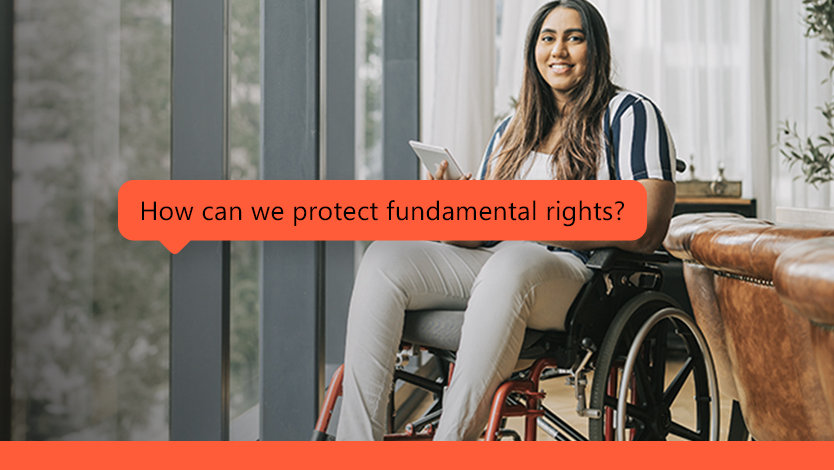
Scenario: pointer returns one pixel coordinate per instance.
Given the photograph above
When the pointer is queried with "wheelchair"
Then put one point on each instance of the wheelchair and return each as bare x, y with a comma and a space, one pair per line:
621, 328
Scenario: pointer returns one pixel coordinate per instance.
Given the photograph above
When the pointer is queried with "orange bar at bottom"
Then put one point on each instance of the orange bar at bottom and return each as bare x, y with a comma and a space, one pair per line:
468, 455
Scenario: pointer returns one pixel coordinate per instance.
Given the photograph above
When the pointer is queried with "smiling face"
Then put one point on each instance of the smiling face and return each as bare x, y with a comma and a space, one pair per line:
562, 52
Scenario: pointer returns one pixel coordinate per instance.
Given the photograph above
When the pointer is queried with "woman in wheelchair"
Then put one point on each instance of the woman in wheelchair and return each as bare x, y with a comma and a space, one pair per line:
571, 122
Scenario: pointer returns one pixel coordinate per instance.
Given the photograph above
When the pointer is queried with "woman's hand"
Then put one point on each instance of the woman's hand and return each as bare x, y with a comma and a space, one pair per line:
441, 173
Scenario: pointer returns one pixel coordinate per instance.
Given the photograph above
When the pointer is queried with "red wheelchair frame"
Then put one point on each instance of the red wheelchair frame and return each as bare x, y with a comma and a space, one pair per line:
636, 325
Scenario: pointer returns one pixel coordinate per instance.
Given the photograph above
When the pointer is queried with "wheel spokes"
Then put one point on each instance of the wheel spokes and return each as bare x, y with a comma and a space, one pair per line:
642, 434
634, 411
641, 414
686, 433
641, 341
644, 386
677, 383
658, 356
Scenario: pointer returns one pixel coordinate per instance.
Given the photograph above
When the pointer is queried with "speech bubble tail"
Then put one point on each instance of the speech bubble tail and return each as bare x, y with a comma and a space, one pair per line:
174, 246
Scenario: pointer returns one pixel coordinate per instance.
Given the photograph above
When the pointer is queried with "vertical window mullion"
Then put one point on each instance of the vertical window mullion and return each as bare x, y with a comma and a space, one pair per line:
401, 87
340, 116
199, 398
292, 344
6, 100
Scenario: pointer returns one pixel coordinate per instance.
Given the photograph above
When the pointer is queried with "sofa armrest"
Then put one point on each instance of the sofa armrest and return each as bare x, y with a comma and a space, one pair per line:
733, 244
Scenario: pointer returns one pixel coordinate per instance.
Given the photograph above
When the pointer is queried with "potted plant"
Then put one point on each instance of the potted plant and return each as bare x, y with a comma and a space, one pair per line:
814, 155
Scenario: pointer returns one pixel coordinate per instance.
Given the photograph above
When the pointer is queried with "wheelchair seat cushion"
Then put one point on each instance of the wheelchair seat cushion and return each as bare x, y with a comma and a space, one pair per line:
440, 329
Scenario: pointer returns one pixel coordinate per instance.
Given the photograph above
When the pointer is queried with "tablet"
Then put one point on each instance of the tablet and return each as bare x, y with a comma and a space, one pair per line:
432, 156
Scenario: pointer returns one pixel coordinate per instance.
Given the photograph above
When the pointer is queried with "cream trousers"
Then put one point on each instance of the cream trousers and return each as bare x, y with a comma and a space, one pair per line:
504, 290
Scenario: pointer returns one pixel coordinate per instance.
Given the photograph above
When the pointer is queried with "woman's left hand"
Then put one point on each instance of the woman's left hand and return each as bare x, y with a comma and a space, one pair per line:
441, 173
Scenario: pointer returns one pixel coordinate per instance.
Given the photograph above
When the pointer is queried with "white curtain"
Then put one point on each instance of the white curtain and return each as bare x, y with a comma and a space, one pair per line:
515, 17
797, 72
458, 76
702, 64
725, 73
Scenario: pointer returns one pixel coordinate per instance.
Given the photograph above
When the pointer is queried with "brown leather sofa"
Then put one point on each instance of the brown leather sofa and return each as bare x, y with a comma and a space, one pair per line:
776, 359
804, 279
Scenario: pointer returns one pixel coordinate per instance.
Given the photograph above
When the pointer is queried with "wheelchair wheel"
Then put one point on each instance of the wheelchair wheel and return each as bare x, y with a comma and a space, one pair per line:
649, 337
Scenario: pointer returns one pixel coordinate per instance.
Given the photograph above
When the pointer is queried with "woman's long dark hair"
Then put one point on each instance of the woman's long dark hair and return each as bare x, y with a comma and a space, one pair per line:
577, 152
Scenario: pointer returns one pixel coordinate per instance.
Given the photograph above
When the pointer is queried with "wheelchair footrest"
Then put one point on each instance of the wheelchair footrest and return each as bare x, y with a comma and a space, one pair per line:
421, 436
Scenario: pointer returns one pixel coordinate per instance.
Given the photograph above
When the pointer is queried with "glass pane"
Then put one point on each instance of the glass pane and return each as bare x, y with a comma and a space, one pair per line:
244, 163
369, 90
368, 96
92, 107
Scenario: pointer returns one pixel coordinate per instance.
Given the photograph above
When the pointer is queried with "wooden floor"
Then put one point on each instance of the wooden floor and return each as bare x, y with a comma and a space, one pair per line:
560, 399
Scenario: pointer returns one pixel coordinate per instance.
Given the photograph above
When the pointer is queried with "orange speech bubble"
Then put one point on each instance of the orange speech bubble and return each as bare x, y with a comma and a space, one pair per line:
177, 212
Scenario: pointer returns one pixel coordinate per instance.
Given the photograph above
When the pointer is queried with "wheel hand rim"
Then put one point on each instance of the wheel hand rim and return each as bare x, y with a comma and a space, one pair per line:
628, 369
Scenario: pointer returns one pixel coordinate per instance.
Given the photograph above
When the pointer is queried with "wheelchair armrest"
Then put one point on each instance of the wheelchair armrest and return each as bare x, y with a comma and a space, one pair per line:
606, 259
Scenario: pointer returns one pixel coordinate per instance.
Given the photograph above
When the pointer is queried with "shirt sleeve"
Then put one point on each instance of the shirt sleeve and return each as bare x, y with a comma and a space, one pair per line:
643, 145
492, 146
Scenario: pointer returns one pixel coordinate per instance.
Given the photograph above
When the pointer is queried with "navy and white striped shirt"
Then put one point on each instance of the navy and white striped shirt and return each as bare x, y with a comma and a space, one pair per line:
642, 146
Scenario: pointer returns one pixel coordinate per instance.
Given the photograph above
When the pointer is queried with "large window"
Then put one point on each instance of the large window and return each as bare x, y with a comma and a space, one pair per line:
92, 110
